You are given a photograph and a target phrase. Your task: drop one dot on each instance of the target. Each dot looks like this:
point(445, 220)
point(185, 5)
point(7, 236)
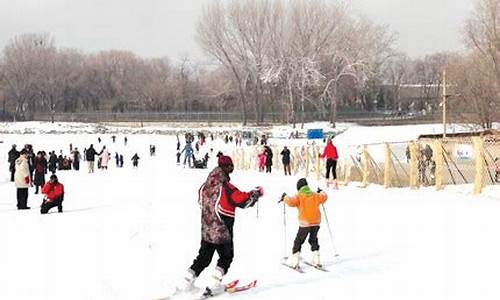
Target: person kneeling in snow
point(308, 203)
point(218, 199)
point(54, 195)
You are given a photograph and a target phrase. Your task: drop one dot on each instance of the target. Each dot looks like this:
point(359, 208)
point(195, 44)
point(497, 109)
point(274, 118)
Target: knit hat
point(302, 182)
point(53, 177)
point(224, 160)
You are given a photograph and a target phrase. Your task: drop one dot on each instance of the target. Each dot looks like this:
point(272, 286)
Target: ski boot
point(215, 287)
point(315, 262)
point(187, 282)
point(293, 260)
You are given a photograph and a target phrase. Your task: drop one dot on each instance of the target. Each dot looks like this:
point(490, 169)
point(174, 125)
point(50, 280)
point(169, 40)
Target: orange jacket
point(308, 203)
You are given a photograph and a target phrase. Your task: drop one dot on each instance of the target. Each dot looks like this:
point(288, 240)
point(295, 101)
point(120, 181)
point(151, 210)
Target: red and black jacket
point(230, 198)
point(53, 191)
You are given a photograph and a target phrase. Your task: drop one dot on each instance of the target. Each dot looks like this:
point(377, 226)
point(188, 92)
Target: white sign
point(464, 152)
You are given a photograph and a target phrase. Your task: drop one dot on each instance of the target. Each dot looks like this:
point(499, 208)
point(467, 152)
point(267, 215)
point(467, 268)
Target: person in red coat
point(54, 195)
point(218, 199)
point(331, 155)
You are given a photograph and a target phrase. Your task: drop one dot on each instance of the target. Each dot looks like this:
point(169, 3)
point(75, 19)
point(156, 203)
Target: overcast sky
point(153, 28)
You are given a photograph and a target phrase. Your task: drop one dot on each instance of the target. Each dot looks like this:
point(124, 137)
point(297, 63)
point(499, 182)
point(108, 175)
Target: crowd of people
point(29, 170)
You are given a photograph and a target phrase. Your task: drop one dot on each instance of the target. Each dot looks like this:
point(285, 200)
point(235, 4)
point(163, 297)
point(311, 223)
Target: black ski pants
point(47, 205)
point(207, 250)
point(22, 198)
point(331, 165)
point(206, 253)
point(301, 238)
point(287, 169)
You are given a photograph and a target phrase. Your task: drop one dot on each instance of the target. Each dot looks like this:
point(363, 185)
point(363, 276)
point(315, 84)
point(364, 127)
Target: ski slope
point(131, 234)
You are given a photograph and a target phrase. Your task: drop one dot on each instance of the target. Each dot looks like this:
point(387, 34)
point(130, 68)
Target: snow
point(131, 233)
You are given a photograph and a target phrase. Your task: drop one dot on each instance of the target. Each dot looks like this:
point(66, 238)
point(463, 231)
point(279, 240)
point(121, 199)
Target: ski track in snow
point(131, 233)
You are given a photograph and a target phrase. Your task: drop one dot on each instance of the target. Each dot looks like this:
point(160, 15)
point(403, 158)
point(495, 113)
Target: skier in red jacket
point(330, 152)
point(54, 195)
point(218, 199)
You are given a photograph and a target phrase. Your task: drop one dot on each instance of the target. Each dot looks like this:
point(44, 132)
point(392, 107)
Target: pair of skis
point(299, 269)
point(231, 288)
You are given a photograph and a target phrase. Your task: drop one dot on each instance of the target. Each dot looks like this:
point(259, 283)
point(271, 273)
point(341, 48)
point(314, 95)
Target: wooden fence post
point(479, 162)
point(347, 170)
point(307, 162)
point(235, 159)
point(365, 161)
point(247, 155)
point(413, 166)
point(318, 163)
point(387, 166)
point(439, 160)
point(295, 162)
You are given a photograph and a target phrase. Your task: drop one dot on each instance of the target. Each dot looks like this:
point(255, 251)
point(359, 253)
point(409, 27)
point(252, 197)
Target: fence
point(220, 116)
point(426, 162)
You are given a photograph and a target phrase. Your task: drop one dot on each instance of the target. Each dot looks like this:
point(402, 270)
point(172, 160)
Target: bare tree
point(214, 38)
point(479, 72)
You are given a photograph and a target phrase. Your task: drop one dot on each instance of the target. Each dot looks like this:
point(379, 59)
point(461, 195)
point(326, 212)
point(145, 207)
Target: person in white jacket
point(22, 180)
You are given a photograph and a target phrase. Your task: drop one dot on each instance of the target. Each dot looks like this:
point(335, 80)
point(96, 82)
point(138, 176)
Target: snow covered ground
point(131, 233)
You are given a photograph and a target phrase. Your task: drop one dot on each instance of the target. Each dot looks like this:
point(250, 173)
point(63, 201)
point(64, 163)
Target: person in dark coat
point(12, 156)
point(285, 159)
point(31, 159)
point(90, 156)
point(135, 160)
point(76, 159)
point(121, 161)
point(40, 169)
point(269, 158)
point(178, 155)
point(60, 162)
point(52, 162)
point(217, 220)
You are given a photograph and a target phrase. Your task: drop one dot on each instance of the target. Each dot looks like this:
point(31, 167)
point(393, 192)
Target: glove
point(282, 197)
point(27, 179)
point(254, 197)
point(260, 190)
point(319, 190)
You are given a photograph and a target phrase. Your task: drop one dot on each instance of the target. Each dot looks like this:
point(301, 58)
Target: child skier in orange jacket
point(308, 203)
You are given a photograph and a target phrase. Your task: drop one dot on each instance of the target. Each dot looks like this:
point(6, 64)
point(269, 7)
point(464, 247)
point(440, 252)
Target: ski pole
point(284, 223)
point(330, 231)
point(284, 229)
point(257, 210)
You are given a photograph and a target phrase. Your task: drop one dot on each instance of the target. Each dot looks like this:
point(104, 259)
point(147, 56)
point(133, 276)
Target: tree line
point(272, 56)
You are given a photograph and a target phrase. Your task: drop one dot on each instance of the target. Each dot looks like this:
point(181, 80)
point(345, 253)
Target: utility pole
point(444, 104)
